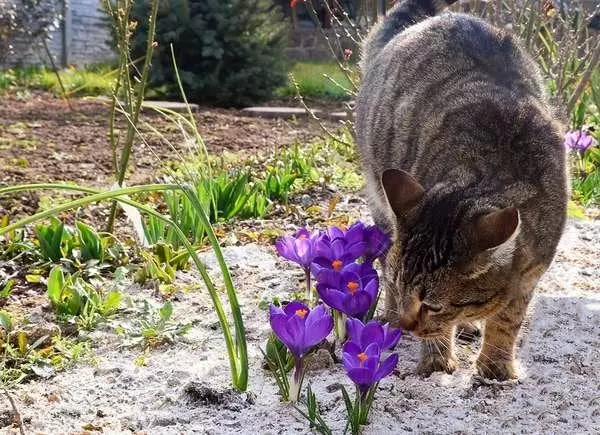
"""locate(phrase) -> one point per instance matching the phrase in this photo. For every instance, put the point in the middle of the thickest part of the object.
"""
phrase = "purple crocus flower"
(579, 140)
(372, 332)
(364, 366)
(377, 243)
(299, 248)
(299, 328)
(334, 254)
(351, 290)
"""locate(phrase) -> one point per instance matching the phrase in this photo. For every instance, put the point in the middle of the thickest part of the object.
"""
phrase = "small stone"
(108, 370)
(250, 398)
(231, 423)
(332, 388)
(35, 332)
(320, 360)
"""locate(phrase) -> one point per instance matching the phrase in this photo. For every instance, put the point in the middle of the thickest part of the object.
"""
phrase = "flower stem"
(296, 380)
(309, 293)
(340, 325)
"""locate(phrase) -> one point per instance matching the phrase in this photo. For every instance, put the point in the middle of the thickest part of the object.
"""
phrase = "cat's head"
(451, 257)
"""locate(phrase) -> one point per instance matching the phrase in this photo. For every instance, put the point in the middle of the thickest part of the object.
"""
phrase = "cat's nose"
(408, 323)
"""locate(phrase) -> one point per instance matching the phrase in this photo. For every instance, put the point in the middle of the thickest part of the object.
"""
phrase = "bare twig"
(16, 414)
(55, 69)
(313, 116)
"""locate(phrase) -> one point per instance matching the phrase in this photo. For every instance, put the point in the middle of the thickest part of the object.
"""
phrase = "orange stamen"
(337, 265)
(352, 286)
(362, 357)
(303, 236)
(301, 313)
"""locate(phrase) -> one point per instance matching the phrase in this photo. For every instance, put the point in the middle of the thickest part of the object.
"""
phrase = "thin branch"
(16, 414)
(313, 116)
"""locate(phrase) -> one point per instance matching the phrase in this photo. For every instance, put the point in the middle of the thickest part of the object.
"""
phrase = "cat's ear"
(403, 192)
(493, 229)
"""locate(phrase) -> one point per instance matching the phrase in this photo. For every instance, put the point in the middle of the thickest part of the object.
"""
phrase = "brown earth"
(42, 139)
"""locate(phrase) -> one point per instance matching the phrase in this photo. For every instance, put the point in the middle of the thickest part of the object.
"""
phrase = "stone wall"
(82, 38)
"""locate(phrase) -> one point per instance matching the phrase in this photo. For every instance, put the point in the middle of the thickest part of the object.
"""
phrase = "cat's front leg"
(437, 355)
(497, 357)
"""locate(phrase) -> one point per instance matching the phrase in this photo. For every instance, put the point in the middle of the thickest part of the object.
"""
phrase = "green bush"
(228, 52)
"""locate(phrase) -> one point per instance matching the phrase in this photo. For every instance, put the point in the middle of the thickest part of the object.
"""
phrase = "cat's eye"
(434, 308)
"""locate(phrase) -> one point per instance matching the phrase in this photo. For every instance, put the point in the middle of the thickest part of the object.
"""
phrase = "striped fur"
(460, 106)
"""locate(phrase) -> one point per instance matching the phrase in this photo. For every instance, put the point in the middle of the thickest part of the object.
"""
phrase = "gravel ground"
(183, 388)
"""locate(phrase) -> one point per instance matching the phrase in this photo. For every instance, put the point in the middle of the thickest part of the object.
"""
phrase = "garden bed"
(41, 139)
(184, 388)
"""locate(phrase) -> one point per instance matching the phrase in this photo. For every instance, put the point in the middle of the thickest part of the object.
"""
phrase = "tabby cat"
(465, 166)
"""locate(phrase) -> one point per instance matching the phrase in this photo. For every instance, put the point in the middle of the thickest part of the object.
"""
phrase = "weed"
(23, 360)
(155, 327)
(80, 250)
(72, 297)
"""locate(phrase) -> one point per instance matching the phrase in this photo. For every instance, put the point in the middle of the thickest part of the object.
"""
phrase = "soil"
(184, 388)
(42, 140)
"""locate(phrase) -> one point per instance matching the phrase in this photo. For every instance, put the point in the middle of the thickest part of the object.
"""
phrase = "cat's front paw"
(436, 363)
(500, 370)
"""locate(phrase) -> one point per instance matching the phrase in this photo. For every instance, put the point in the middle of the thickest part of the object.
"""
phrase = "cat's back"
(440, 85)
(427, 52)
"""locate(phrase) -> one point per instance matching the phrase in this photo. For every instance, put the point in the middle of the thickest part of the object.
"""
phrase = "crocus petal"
(356, 305)
(354, 328)
(372, 288)
(279, 327)
(304, 251)
(386, 367)
(334, 233)
(291, 308)
(323, 248)
(295, 329)
(373, 350)
(350, 361)
(332, 297)
(352, 348)
(361, 376)
(285, 248)
(355, 234)
(318, 326)
(302, 232)
(354, 251)
(372, 333)
(392, 336)
(338, 249)
(330, 278)
(351, 271)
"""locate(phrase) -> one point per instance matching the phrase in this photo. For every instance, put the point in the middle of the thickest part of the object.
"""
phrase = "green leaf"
(6, 321)
(22, 342)
(112, 301)
(166, 311)
(56, 283)
(7, 289)
(90, 243)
